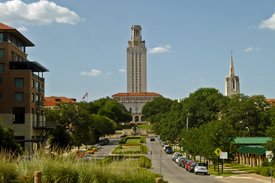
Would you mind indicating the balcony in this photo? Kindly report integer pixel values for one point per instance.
(40, 125)
(39, 104)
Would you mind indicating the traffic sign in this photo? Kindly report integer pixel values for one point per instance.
(224, 155)
(218, 151)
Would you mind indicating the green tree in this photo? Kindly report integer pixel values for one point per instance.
(7, 141)
(249, 116)
(270, 132)
(154, 110)
(203, 105)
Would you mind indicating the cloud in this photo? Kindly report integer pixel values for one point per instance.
(91, 73)
(249, 49)
(160, 49)
(122, 70)
(42, 12)
(269, 23)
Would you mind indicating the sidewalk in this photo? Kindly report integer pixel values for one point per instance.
(239, 174)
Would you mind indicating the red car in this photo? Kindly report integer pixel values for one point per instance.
(188, 164)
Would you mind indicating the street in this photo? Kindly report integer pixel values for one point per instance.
(162, 164)
(172, 173)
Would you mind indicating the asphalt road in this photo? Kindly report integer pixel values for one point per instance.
(171, 172)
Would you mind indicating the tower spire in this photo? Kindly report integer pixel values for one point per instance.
(231, 65)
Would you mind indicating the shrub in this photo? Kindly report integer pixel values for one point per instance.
(8, 172)
(144, 162)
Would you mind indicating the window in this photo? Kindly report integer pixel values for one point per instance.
(32, 83)
(1, 37)
(1, 81)
(1, 53)
(19, 97)
(1, 68)
(19, 82)
(32, 97)
(19, 115)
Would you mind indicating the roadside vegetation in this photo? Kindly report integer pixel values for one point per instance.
(207, 120)
(70, 169)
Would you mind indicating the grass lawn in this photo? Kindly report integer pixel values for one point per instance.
(133, 141)
(145, 127)
(243, 168)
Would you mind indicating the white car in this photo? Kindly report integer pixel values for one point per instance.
(201, 168)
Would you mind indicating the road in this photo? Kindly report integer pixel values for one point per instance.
(175, 174)
(163, 164)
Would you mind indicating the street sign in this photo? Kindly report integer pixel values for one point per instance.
(218, 151)
(269, 154)
(223, 155)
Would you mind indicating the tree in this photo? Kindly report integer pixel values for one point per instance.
(154, 110)
(249, 116)
(7, 141)
(203, 105)
(270, 132)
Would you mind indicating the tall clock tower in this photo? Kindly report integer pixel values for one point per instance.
(136, 62)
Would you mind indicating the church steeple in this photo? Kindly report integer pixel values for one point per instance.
(232, 82)
(231, 73)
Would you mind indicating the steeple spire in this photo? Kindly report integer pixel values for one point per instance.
(231, 66)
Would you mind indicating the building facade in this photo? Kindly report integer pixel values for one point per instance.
(136, 62)
(21, 89)
(232, 82)
(136, 96)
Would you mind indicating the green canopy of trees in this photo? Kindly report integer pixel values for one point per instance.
(206, 120)
(85, 123)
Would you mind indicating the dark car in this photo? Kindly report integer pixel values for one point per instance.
(152, 138)
(168, 150)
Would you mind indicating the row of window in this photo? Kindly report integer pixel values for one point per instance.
(19, 115)
(6, 37)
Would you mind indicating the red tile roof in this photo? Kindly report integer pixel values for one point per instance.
(55, 101)
(16, 33)
(271, 101)
(141, 94)
(5, 27)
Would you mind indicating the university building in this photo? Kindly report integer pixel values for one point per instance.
(137, 94)
(21, 89)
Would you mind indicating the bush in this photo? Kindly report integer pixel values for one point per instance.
(144, 162)
(8, 172)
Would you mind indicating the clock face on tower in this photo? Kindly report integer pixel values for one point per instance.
(135, 42)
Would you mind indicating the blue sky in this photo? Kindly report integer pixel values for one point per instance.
(189, 42)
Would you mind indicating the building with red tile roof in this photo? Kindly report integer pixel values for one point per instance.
(53, 101)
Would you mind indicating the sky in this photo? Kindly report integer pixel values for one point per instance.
(189, 43)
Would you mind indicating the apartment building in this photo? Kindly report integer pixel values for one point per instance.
(21, 89)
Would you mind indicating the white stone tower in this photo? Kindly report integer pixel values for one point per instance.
(232, 82)
(136, 62)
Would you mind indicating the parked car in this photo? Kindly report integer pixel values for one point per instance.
(168, 150)
(175, 155)
(201, 168)
(182, 161)
(188, 163)
(191, 167)
(178, 158)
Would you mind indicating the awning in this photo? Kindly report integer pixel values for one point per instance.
(257, 150)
